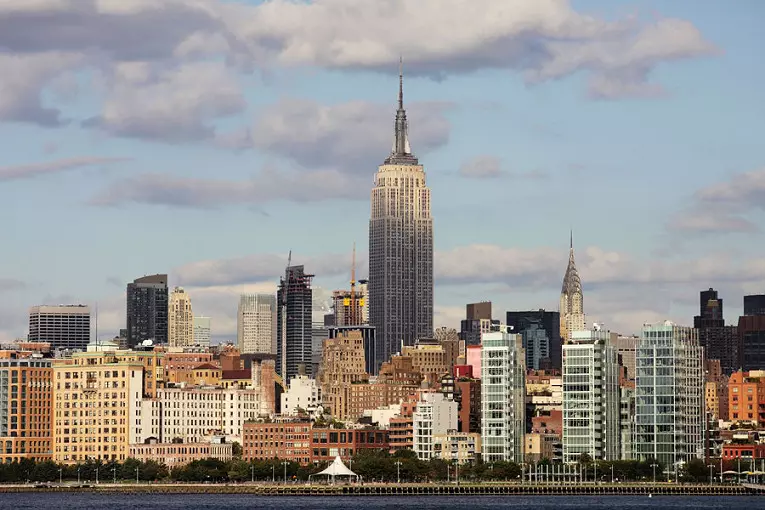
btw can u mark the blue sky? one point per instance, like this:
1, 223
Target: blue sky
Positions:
206, 139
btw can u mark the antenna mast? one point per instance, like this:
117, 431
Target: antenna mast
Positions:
353, 287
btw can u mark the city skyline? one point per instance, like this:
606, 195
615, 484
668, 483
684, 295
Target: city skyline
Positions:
640, 133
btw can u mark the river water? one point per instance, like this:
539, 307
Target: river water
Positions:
89, 501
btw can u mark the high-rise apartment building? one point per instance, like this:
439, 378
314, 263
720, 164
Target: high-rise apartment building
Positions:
591, 397
294, 324
540, 330
256, 324
25, 407
503, 397
400, 247
147, 307
718, 340
669, 395
202, 331
63, 326
180, 319
571, 298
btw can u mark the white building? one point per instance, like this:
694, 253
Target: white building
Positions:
503, 396
303, 393
196, 414
435, 415
590, 396
256, 324
202, 331
669, 395
382, 415
180, 319
457, 446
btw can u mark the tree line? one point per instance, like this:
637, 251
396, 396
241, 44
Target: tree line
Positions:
371, 465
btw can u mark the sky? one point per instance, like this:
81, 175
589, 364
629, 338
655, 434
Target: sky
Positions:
207, 139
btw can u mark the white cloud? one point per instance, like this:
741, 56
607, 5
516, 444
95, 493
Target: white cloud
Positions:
29, 171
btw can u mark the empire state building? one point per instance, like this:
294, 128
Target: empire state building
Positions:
400, 247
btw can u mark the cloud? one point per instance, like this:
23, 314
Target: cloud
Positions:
258, 268
490, 167
541, 39
30, 171
544, 39
351, 137
724, 207
175, 105
268, 185
11, 284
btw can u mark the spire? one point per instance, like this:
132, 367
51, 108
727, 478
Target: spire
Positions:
401, 153
571, 281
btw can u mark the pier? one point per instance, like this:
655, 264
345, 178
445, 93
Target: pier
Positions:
515, 489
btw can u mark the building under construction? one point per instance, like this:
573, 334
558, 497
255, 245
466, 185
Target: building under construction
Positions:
293, 335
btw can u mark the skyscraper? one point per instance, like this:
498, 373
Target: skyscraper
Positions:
147, 308
719, 341
63, 326
180, 320
540, 330
571, 299
754, 304
294, 322
400, 246
477, 322
256, 324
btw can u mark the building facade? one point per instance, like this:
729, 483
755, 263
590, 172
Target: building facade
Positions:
26, 397
669, 395
503, 397
719, 341
256, 324
571, 299
541, 337
590, 397
294, 324
63, 326
434, 415
180, 319
400, 247
202, 331
147, 307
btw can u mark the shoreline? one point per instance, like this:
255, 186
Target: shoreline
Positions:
395, 489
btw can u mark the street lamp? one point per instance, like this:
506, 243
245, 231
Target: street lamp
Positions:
654, 466
273, 473
78, 475
710, 473
252, 472
612, 473
457, 472
60, 476
96, 474
285, 464
136, 474
398, 470
114, 474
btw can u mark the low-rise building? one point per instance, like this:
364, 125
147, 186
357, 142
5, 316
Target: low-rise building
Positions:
283, 438
462, 447
179, 454
326, 444
303, 394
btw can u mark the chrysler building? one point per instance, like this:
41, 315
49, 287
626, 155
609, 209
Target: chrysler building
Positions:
400, 247
571, 299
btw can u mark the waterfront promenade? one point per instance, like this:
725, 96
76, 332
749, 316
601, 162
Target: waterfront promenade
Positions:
396, 489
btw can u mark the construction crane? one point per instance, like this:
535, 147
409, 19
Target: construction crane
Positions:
283, 304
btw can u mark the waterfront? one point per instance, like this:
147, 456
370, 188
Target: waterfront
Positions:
72, 501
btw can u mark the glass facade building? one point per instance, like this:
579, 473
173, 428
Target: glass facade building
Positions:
669, 395
590, 397
503, 397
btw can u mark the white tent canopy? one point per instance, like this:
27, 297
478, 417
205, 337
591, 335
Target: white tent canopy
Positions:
337, 468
